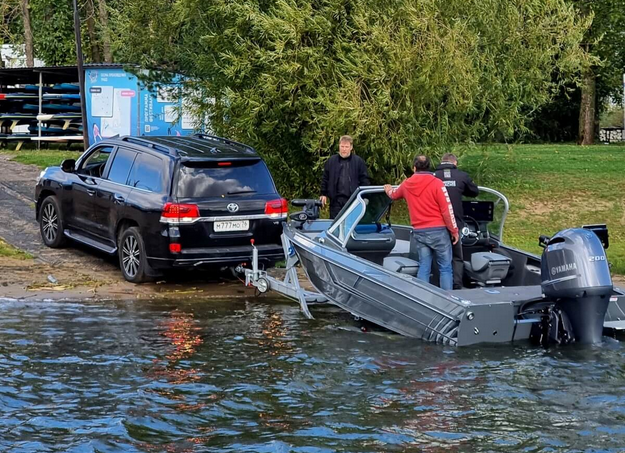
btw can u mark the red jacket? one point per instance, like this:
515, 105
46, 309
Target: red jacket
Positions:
428, 202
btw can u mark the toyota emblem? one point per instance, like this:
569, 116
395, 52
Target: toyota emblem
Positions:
232, 207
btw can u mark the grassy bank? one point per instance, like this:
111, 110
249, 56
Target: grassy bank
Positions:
42, 158
551, 187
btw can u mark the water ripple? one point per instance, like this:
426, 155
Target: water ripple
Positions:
255, 376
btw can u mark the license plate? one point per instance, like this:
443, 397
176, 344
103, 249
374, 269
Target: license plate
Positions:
232, 225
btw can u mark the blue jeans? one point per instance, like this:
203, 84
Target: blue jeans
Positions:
434, 241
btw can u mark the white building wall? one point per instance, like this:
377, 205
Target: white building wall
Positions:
15, 57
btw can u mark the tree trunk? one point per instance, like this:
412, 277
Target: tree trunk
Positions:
588, 108
93, 38
106, 37
28, 35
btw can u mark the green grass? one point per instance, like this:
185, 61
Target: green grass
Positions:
9, 251
552, 187
42, 158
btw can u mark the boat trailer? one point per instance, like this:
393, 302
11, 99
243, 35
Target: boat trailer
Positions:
289, 286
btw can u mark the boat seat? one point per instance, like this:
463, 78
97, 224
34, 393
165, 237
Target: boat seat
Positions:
402, 248
402, 265
372, 246
487, 268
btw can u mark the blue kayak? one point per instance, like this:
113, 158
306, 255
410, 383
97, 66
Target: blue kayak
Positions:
36, 88
52, 108
66, 87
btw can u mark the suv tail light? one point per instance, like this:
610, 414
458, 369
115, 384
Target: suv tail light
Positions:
277, 208
180, 213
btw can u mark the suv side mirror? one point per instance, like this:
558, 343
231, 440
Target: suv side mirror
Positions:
68, 165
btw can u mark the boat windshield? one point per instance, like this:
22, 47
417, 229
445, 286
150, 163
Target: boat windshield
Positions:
366, 209
500, 211
377, 205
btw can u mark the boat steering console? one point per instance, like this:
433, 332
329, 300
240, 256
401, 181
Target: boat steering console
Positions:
310, 211
470, 233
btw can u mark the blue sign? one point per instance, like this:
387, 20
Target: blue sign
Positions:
119, 104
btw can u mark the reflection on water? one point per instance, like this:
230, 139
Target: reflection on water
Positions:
255, 376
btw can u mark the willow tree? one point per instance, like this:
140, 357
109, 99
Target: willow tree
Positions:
291, 76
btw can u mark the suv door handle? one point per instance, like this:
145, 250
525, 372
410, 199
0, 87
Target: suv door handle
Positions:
118, 198
91, 192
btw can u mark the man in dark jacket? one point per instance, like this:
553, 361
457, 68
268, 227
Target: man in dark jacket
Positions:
342, 175
458, 183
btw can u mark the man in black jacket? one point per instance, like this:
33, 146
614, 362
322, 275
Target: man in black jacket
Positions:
458, 183
342, 175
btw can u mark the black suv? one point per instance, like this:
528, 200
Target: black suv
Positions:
163, 202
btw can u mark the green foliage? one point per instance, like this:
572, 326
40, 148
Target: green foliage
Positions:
604, 39
559, 120
53, 31
291, 76
10, 21
53, 28
612, 117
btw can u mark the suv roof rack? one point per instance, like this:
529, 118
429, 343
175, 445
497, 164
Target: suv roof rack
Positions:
224, 140
143, 142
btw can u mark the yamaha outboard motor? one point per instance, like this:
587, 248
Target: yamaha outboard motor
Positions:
576, 275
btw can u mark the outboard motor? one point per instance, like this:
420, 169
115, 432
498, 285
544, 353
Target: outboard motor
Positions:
576, 275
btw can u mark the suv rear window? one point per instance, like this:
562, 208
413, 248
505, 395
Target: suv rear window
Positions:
216, 179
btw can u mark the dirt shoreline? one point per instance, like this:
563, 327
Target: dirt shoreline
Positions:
76, 272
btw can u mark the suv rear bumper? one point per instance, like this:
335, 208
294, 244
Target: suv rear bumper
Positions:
220, 256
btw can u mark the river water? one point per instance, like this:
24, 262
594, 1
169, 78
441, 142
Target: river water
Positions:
255, 376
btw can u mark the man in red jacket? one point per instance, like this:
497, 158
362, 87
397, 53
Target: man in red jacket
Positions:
432, 217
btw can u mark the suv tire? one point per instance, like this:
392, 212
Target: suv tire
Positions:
132, 260
51, 224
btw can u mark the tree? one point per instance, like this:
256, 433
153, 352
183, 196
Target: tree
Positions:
291, 76
28, 34
104, 31
51, 28
604, 39
91, 30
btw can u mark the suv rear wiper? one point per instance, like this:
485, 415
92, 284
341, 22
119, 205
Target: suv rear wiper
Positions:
234, 192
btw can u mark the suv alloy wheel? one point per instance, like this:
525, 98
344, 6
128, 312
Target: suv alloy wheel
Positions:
51, 223
132, 259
